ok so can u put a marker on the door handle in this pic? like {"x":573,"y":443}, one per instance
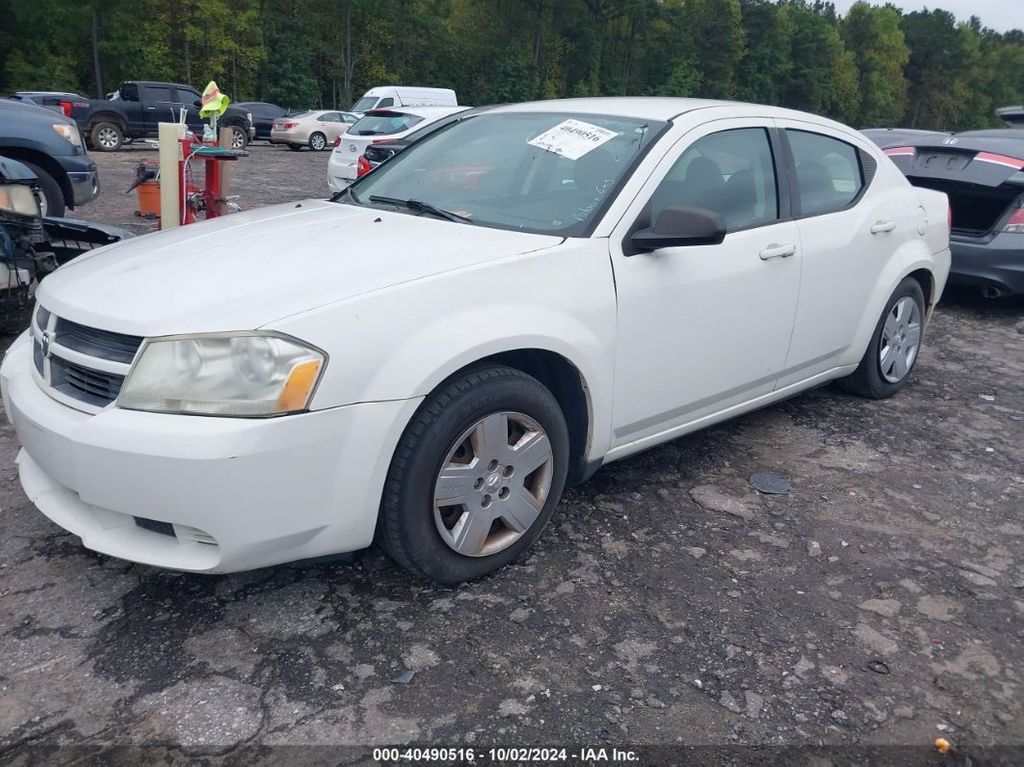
{"x":778,"y":251}
{"x":880,"y":227}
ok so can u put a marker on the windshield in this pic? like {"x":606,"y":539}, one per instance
{"x":546,"y":173}
{"x":384,"y":124}
{"x":364,"y":104}
{"x":300,"y":115}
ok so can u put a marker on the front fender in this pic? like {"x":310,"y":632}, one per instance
{"x":402,"y":342}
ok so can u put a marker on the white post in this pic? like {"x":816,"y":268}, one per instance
{"x":170,"y":135}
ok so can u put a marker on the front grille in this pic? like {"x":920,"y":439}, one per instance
{"x":81,"y":363}
{"x":96,"y":387}
{"x":95,"y":342}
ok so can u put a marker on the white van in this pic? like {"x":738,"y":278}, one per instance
{"x":385,"y":96}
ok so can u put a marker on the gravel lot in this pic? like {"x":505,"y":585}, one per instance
{"x":880,"y":602}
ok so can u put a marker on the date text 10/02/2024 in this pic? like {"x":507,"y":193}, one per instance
{"x":504,"y":754}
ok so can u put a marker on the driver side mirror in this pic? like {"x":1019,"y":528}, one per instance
{"x":681,"y":225}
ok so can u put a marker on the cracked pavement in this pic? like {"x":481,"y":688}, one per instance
{"x":881,"y":601}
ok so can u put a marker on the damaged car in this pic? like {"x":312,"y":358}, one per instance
{"x":428,"y":359}
{"x":32,"y":245}
{"x":982,"y":173}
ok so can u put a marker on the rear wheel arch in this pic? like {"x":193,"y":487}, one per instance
{"x":107,"y":117}
{"x":927,"y":282}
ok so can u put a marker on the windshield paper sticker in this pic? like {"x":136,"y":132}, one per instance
{"x":573,"y":138}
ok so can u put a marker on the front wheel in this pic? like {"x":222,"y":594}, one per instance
{"x":318,"y":142}
{"x":476,"y":476}
{"x":894,"y":347}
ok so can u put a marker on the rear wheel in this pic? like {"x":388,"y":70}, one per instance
{"x":318,"y":142}
{"x":476,"y":476}
{"x":295,"y":147}
{"x":106,"y":137}
{"x":894,"y":347}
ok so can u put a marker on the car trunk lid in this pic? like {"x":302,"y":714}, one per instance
{"x":983,"y":187}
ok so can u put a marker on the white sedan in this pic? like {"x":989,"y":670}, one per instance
{"x":503,"y":308}
{"x":373,"y":127}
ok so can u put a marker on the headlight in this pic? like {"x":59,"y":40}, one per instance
{"x":19,"y":198}
{"x":69,"y":132}
{"x":253,"y":374}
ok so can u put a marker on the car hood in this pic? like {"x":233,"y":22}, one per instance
{"x":246,"y":270}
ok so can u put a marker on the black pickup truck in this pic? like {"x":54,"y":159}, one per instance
{"x":138,"y":106}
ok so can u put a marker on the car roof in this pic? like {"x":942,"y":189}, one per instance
{"x":659,"y":108}
{"x":424,"y":111}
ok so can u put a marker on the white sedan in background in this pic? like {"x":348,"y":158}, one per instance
{"x":377,"y":125}
{"x":502,"y":308}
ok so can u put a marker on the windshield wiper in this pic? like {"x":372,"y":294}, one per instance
{"x":421,"y":207}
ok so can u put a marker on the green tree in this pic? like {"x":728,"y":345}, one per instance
{"x":880,"y":53}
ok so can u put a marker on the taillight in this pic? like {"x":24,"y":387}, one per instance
{"x":362,"y":166}
{"x":900,"y":151}
{"x":65,"y":107}
{"x":337,"y":141}
{"x":289,"y":126}
{"x":1015,"y":223}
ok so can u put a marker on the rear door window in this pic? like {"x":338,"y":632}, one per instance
{"x":828,"y":172}
{"x":384,"y":124}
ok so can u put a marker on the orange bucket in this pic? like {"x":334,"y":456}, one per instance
{"x":149,"y":199}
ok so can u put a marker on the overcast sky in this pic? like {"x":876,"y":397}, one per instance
{"x":1001,"y":15}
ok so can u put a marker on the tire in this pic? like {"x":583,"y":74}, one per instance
{"x":878,"y":378}
{"x":295,"y":147}
{"x":239,"y":138}
{"x":447,"y":434}
{"x":318,"y":142}
{"x":106,"y":137}
{"x":52,"y":203}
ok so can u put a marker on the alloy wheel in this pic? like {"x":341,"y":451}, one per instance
{"x":107,"y":138}
{"x":493,"y":484}
{"x":901,"y":340}
{"x":318,"y":142}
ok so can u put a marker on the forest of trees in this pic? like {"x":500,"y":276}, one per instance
{"x":875,"y":66}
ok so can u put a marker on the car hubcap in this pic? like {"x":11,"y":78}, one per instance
{"x":493,"y":484}
{"x":108,"y":138}
{"x":318,"y":143}
{"x":901,"y":338}
{"x":237,"y":140}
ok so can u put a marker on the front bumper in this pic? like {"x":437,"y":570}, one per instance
{"x":996,"y":263}
{"x":213,"y":494}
